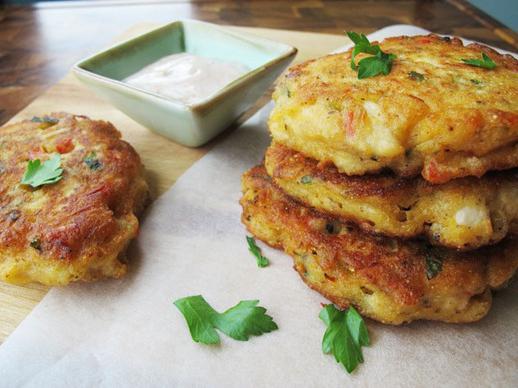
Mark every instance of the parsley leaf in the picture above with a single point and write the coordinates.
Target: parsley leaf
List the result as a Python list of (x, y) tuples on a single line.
[(362, 45), (256, 251), (486, 62), (433, 264), (306, 179), (245, 319), (36, 243), (346, 333), (199, 315), (357, 327), (45, 119), (238, 322), (92, 162), (416, 76), (38, 174), (380, 63)]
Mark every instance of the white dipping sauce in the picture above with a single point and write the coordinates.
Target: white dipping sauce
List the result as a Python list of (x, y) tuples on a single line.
[(186, 77)]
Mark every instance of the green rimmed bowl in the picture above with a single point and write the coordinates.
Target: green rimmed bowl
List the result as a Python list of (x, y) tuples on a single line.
[(188, 124)]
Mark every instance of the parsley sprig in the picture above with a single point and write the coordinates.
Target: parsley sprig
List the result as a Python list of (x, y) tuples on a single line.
[(38, 174), (345, 335), (238, 322), (379, 63), (256, 251), (485, 62)]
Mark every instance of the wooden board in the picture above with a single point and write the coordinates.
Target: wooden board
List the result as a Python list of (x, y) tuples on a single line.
[(164, 160)]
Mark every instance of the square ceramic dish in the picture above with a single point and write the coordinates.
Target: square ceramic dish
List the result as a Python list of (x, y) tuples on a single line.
[(195, 124)]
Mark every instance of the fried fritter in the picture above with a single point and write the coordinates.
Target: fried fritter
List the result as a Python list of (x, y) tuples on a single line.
[(465, 213), (386, 279), (433, 114), (79, 227)]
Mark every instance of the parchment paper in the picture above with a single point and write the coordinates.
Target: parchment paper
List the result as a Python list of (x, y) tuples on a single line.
[(128, 332)]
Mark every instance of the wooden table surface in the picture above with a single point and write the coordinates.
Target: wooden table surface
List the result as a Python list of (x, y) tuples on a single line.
[(39, 44)]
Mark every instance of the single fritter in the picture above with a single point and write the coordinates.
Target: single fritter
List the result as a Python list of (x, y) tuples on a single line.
[(465, 213), (79, 227), (433, 114), (386, 279)]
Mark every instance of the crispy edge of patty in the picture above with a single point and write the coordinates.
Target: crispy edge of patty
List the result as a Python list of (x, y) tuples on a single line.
[(116, 193), (426, 139), (401, 207), (384, 278)]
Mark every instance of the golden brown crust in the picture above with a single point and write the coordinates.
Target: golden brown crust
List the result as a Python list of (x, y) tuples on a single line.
[(458, 120), (77, 228), (465, 213), (385, 278)]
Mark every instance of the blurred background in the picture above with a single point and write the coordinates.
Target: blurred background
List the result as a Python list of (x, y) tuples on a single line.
[(505, 11)]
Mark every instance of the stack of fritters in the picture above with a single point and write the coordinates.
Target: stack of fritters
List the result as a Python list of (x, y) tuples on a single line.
[(397, 194)]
